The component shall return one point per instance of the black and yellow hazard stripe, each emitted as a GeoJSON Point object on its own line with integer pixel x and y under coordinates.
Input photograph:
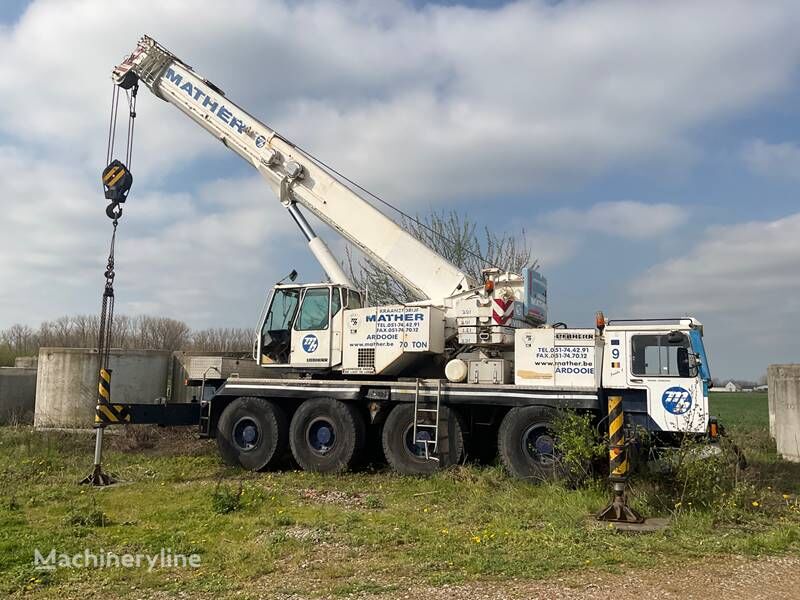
{"type": "Point", "coordinates": [104, 387]}
{"type": "Point", "coordinates": [105, 412]}
{"type": "Point", "coordinates": [113, 175]}
{"type": "Point", "coordinates": [618, 458]}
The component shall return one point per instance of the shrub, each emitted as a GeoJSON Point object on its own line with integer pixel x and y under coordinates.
{"type": "Point", "coordinates": [579, 444]}
{"type": "Point", "coordinates": [226, 499]}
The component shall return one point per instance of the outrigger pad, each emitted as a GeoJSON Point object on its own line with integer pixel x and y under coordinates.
{"type": "Point", "coordinates": [97, 478]}
{"type": "Point", "coordinates": [619, 512]}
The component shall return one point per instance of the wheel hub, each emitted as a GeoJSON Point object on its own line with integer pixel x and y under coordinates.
{"type": "Point", "coordinates": [321, 436]}
{"type": "Point", "coordinates": [246, 434]}
{"type": "Point", "coordinates": [539, 444]}
{"type": "Point", "coordinates": [417, 447]}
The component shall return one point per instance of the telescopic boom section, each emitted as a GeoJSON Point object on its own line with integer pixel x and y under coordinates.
{"type": "Point", "coordinates": [293, 175]}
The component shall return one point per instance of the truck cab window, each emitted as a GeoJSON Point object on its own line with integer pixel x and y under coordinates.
{"type": "Point", "coordinates": [275, 334]}
{"type": "Point", "coordinates": [336, 300]}
{"type": "Point", "coordinates": [659, 355]}
{"type": "Point", "coordinates": [282, 310]}
{"type": "Point", "coordinates": [353, 300]}
{"type": "Point", "coordinates": [314, 311]}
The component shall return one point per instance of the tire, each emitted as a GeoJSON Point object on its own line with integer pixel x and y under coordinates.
{"type": "Point", "coordinates": [398, 446]}
{"type": "Point", "coordinates": [527, 446]}
{"type": "Point", "coordinates": [252, 433]}
{"type": "Point", "coordinates": [326, 435]}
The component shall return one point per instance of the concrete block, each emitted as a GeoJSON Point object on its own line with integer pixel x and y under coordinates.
{"type": "Point", "coordinates": [17, 394]}
{"type": "Point", "coordinates": [784, 394]}
{"type": "Point", "coordinates": [66, 386]}
{"type": "Point", "coordinates": [26, 362]}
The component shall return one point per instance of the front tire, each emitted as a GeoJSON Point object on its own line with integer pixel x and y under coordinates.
{"type": "Point", "coordinates": [408, 458]}
{"type": "Point", "coordinates": [527, 444]}
{"type": "Point", "coordinates": [252, 433]}
{"type": "Point", "coordinates": [326, 435]}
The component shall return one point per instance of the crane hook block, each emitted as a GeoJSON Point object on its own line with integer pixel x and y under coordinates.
{"type": "Point", "coordinates": [117, 181]}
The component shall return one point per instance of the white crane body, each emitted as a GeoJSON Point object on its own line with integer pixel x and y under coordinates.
{"type": "Point", "coordinates": [476, 349]}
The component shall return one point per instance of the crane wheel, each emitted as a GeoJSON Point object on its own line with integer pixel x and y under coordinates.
{"type": "Point", "coordinates": [408, 458]}
{"type": "Point", "coordinates": [527, 445]}
{"type": "Point", "coordinates": [326, 435]}
{"type": "Point", "coordinates": [252, 433]}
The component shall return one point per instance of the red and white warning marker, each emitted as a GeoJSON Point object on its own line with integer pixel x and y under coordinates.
{"type": "Point", "coordinates": [502, 310]}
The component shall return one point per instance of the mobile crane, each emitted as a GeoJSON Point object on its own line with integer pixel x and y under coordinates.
{"type": "Point", "coordinates": [472, 358]}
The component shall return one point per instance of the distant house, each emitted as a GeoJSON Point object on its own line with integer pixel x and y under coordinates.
{"type": "Point", "coordinates": [762, 388]}
{"type": "Point", "coordinates": [728, 387]}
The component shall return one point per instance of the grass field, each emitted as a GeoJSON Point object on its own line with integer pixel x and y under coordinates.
{"type": "Point", "coordinates": [741, 410]}
{"type": "Point", "coordinates": [313, 535]}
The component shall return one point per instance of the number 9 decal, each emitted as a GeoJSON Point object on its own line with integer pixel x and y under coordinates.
{"type": "Point", "coordinates": [615, 353]}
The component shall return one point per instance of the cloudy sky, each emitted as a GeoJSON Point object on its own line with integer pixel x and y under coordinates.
{"type": "Point", "coordinates": [649, 150]}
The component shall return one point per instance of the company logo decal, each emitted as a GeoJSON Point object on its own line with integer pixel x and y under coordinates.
{"type": "Point", "coordinates": [310, 343]}
{"type": "Point", "coordinates": [677, 400]}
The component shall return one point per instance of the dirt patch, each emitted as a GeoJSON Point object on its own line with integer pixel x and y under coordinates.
{"type": "Point", "coordinates": [687, 579]}
{"type": "Point", "coordinates": [154, 440]}
{"type": "Point", "coordinates": [339, 498]}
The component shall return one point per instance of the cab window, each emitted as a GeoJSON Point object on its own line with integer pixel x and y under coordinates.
{"type": "Point", "coordinates": [660, 355]}
{"type": "Point", "coordinates": [336, 300]}
{"type": "Point", "coordinates": [353, 300]}
{"type": "Point", "coordinates": [282, 310]}
{"type": "Point", "coordinates": [314, 310]}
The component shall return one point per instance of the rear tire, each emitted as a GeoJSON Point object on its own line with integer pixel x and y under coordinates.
{"type": "Point", "coordinates": [326, 435]}
{"type": "Point", "coordinates": [527, 445]}
{"type": "Point", "coordinates": [252, 433]}
{"type": "Point", "coordinates": [408, 458]}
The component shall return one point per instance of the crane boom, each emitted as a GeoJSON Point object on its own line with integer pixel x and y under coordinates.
{"type": "Point", "coordinates": [294, 175]}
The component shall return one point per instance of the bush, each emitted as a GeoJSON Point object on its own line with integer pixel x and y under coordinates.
{"type": "Point", "coordinates": [226, 499]}
{"type": "Point", "coordinates": [89, 516]}
{"type": "Point", "coordinates": [578, 443]}
{"type": "Point", "coordinates": [698, 476]}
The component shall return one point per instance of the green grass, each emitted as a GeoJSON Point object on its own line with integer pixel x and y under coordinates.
{"type": "Point", "coordinates": [315, 535]}
{"type": "Point", "coordinates": [741, 410]}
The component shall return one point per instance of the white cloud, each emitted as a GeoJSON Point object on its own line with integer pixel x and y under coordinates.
{"type": "Point", "coordinates": [208, 266]}
{"type": "Point", "coordinates": [438, 104]}
{"type": "Point", "coordinates": [441, 102]}
{"type": "Point", "coordinates": [742, 281]}
{"type": "Point", "coordinates": [558, 236]}
{"type": "Point", "coordinates": [780, 160]}
{"type": "Point", "coordinates": [626, 219]}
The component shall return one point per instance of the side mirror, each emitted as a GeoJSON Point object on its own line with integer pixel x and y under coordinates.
{"type": "Point", "coordinates": [694, 364]}
{"type": "Point", "coordinates": [687, 363]}
{"type": "Point", "coordinates": [683, 362]}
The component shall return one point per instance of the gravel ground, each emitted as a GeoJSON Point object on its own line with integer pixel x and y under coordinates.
{"type": "Point", "coordinates": [723, 578]}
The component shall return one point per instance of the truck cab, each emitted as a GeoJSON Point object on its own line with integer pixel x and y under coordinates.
{"type": "Point", "coordinates": [302, 326]}
{"type": "Point", "coordinates": [660, 368]}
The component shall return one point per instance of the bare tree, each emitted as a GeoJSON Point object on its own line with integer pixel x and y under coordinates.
{"type": "Point", "coordinates": [456, 238]}
{"type": "Point", "coordinates": [222, 340]}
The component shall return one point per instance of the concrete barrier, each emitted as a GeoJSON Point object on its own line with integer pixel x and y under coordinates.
{"type": "Point", "coordinates": [26, 362]}
{"type": "Point", "coordinates": [17, 394]}
{"type": "Point", "coordinates": [784, 402]}
{"type": "Point", "coordinates": [66, 386]}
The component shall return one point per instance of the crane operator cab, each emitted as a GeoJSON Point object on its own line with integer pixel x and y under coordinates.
{"type": "Point", "coordinates": [303, 324]}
